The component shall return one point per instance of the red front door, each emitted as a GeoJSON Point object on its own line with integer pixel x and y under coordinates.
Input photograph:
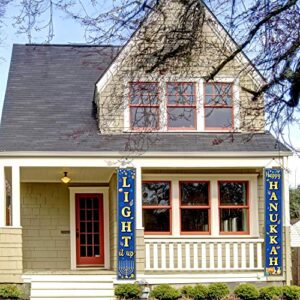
{"type": "Point", "coordinates": [89, 229]}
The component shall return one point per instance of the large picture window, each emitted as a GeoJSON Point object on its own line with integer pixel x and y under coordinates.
{"type": "Point", "coordinates": [234, 207]}
{"type": "Point", "coordinates": [144, 105]}
{"type": "Point", "coordinates": [195, 207]}
{"type": "Point", "coordinates": [181, 105]}
{"type": "Point", "coordinates": [218, 106]}
{"type": "Point", "coordinates": [156, 199]}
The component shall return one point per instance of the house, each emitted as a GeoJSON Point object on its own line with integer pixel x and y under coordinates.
{"type": "Point", "coordinates": [166, 175]}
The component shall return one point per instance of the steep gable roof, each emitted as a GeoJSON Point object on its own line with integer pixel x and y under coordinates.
{"type": "Point", "coordinates": [49, 107]}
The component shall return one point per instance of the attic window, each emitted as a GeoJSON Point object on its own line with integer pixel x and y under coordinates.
{"type": "Point", "coordinates": [181, 105]}
{"type": "Point", "coordinates": [144, 105]}
{"type": "Point", "coordinates": [218, 106]}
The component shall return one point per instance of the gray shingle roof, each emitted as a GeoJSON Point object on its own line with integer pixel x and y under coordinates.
{"type": "Point", "coordinates": [49, 107]}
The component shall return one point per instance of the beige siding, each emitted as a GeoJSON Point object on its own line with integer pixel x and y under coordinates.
{"type": "Point", "coordinates": [10, 255]}
{"type": "Point", "coordinates": [45, 214]}
{"type": "Point", "coordinates": [206, 53]}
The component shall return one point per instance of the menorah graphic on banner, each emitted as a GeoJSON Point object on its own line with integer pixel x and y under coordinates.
{"type": "Point", "coordinates": [126, 269]}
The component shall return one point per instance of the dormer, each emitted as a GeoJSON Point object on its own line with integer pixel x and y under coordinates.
{"type": "Point", "coordinates": [159, 81]}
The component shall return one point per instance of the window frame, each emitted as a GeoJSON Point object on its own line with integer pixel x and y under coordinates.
{"type": "Point", "coordinates": [235, 207]}
{"type": "Point", "coordinates": [159, 207]}
{"type": "Point", "coordinates": [157, 106]}
{"type": "Point", "coordinates": [217, 106]}
{"type": "Point", "coordinates": [194, 106]}
{"type": "Point", "coordinates": [208, 207]}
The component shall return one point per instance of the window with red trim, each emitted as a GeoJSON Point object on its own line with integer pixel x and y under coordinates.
{"type": "Point", "coordinates": [156, 198]}
{"type": "Point", "coordinates": [181, 105]}
{"type": "Point", "coordinates": [194, 207]}
{"type": "Point", "coordinates": [234, 207]}
{"type": "Point", "coordinates": [144, 105]}
{"type": "Point", "coordinates": [218, 105]}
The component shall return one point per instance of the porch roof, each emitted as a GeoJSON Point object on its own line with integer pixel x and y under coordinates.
{"type": "Point", "coordinates": [49, 107]}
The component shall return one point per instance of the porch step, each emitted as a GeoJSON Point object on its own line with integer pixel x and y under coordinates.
{"type": "Point", "coordinates": [67, 287]}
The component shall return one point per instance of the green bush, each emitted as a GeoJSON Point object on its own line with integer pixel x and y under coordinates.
{"type": "Point", "coordinates": [187, 291]}
{"type": "Point", "coordinates": [200, 292]}
{"type": "Point", "coordinates": [270, 292]}
{"type": "Point", "coordinates": [127, 291]}
{"type": "Point", "coordinates": [291, 292]}
{"type": "Point", "coordinates": [217, 291]}
{"type": "Point", "coordinates": [165, 292]}
{"type": "Point", "coordinates": [246, 291]}
{"type": "Point", "coordinates": [9, 291]}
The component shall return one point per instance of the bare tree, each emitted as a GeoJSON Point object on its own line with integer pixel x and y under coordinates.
{"type": "Point", "coordinates": [267, 31]}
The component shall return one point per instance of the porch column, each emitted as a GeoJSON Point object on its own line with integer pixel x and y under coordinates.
{"type": "Point", "coordinates": [2, 197]}
{"type": "Point", "coordinates": [139, 210]}
{"type": "Point", "coordinates": [16, 196]}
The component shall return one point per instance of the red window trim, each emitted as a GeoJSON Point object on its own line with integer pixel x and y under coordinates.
{"type": "Point", "coordinates": [144, 105]}
{"type": "Point", "coordinates": [219, 106]}
{"type": "Point", "coordinates": [194, 106]}
{"type": "Point", "coordinates": [234, 206]}
{"type": "Point", "coordinates": [195, 207]}
{"type": "Point", "coordinates": [160, 207]}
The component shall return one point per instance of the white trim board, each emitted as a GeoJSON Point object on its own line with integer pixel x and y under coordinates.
{"type": "Point", "coordinates": [89, 190]}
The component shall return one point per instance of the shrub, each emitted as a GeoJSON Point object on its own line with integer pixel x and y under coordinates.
{"type": "Point", "coordinates": [128, 291]}
{"type": "Point", "coordinates": [291, 292]}
{"type": "Point", "coordinates": [9, 291]}
{"type": "Point", "coordinates": [165, 292]}
{"type": "Point", "coordinates": [270, 292]}
{"type": "Point", "coordinates": [246, 291]}
{"type": "Point", "coordinates": [187, 291]}
{"type": "Point", "coordinates": [200, 292]}
{"type": "Point", "coordinates": [217, 291]}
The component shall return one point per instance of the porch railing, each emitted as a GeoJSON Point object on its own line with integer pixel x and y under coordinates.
{"type": "Point", "coordinates": [203, 254]}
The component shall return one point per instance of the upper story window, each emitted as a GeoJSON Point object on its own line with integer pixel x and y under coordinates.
{"type": "Point", "coordinates": [144, 105]}
{"type": "Point", "coordinates": [218, 106]}
{"type": "Point", "coordinates": [181, 105]}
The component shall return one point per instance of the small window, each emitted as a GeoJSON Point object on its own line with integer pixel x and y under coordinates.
{"type": "Point", "coordinates": [144, 105]}
{"type": "Point", "coordinates": [181, 105]}
{"type": "Point", "coordinates": [156, 197]}
{"type": "Point", "coordinates": [218, 106]}
{"type": "Point", "coordinates": [194, 207]}
{"type": "Point", "coordinates": [234, 207]}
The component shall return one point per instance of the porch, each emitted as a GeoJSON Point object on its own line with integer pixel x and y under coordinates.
{"type": "Point", "coordinates": [41, 218]}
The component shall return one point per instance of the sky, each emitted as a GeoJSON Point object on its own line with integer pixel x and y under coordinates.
{"type": "Point", "coordinates": [68, 32]}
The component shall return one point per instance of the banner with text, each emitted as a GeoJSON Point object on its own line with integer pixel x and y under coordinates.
{"type": "Point", "coordinates": [273, 222]}
{"type": "Point", "coordinates": [126, 224]}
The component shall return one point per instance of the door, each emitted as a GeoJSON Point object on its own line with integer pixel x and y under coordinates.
{"type": "Point", "coordinates": [89, 230]}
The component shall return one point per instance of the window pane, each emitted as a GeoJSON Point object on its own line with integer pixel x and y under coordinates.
{"type": "Point", "coordinates": [218, 93]}
{"type": "Point", "coordinates": [156, 193]}
{"type": "Point", "coordinates": [234, 219]}
{"type": "Point", "coordinates": [218, 117]}
{"type": "Point", "coordinates": [194, 220]}
{"type": "Point", "coordinates": [144, 117]}
{"type": "Point", "coordinates": [233, 193]}
{"type": "Point", "coordinates": [183, 117]}
{"type": "Point", "coordinates": [181, 93]}
{"type": "Point", "coordinates": [195, 193]}
{"type": "Point", "coordinates": [156, 219]}
{"type": "Point", "coordinates": [144, 93]}
{"type": "Point", "coordinates": [209, 89]}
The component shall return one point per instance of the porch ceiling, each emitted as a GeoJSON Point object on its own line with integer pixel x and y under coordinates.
{"type": "Point", "coordinates": [53, 174]}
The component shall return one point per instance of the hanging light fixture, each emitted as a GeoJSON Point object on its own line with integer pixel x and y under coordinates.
{"type": "Point", "coordinates": [65, 178]}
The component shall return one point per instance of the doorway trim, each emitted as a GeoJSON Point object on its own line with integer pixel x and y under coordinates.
{"type": "Point", "coordinates": [89, 190]}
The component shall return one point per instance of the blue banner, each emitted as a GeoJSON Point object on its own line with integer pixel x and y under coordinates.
{"type": "Point", "coordinates": [126, 224]}
{"type": "Point", "coordinates": [273, 222]}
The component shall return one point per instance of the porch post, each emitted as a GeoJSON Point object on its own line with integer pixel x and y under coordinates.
{"type": "Point", "coordinates": [2, 197]}
{"type": "Point", "coordinates": [139, 210]}
{"type": "Point", "coordinates": [16, 196]}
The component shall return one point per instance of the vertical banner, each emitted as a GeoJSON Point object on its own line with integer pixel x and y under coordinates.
{"type": "Point", "coordinates": [126, 224]}
{"type": "Point", "coordinates": [273, 222]}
